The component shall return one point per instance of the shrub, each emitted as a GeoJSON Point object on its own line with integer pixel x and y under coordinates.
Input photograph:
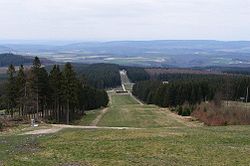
{"type": "Point", "coordinates": [186, 111]}
{"type": "Point", "coordinates": [212, 114]}
{"type": "Point", "coordinates": [179, 110]}
{"type": "Point", "coordinates": [173, 109]}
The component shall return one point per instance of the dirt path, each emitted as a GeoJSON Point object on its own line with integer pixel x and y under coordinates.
{"type": "Point", "coordinates": [99, 117]}
{"type": "Point", "coordinates": [110, 99]}
{"type": "Point", "coordinates": [43, 131]}
{"type": "Point", "coordinates": [186, 121]}
{"type": "Point", "coordinates": [57, 127]}
{"type": "Point", "coordinates": [137, 100]}
{"type": "Point", "coordinates": [103, 111]}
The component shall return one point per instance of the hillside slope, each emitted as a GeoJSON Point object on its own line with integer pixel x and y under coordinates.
{"type": "Point", "coordinates": [8, 58]}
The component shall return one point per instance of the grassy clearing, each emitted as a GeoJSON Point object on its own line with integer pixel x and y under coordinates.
{"type": "Point", "coordinates": [88, 118]}
{"type": "Point", "coordinates": [165, 146]}
{"type": "Point", "coordinates": [122, 100]}
{"type": "Point", "coordinates": [164, 140]}
{"type": "Point", "coordinates": [126, 112]}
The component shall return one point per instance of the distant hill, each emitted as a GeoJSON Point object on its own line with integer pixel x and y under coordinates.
{"type": "Point", "coordinates": [128, 47]}
{"type": "Point", "coordinates": [160, 53]}
{"type": "Point", "coordinates": [4, 49]}
{"type": "Point", "coordinates": [8, 58]}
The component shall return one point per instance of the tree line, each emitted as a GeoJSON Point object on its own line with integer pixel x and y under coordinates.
{"type": "Point", "coordinates": [136, 74]}
{"type": "Point", "coordinates": [9, 58]}
{"type": "Point", "coordinates": [183, 76]}
{"type": "Point", "coordinates": [192, 89]}
{"type": "Point", "coordinates": [100, 76]}
{"type": "Point", "coordinates": [59, 95]}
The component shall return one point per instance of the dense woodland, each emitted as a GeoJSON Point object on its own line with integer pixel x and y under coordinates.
{"type": "Point", "coordinates": [8, 58]}
{"type": "Point", "coordinates": [181, 76]}
{"type": "Point", "coordinates": [46, 92]}
{"type": "Point", "coordinates": [192, 89]}
{"type": "Point", "coordinates": [136, 74]}
{"type": "Point", "coordinates": [59, 95]}
{"type": "Point", "coordinates": [100, 76]}
{"type": "Point", "coordinates": [244, 70]}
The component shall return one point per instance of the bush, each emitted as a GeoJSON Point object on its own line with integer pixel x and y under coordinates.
{"type": "Point", "coordinates": [179, 110]}
{"type": "Point", "coordinates": [184, 110]}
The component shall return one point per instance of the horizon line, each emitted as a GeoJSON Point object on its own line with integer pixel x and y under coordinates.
{"type": "Point", "coordinates": [6, 41]}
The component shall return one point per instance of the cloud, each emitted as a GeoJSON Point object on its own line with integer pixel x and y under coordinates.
{"type": "Point", "coordinates": [125, 19]}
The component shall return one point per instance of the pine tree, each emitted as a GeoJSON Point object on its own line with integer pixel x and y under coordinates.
{"type": "Point", "coordinates": [21, 89]}
{"type": "Point", "coordinates": [35, 83]}
{"type": "Point", "coordinates": [69, 88]}
{"type": "Point", "coordinates": [55, 80]}
{"type": "Point", "coordinates": [44, 91]}
{"type": "Point", "coordinates": [36, 63]}
{"type": "Point", "coordinates": [38, 81]}
{"type": "Point", "coordinates": [30, 95]}
{"type": "Point", "coordinates": [11, 89]}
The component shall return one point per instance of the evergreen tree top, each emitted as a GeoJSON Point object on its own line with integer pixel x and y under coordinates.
{"type": "Point", "coordinates": [11, 70]}
{"type": "Point", "coordinates": [36, 63]}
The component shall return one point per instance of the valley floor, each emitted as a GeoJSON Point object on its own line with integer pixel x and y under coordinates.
{"type": "Point", "coordinates": [151, 136]}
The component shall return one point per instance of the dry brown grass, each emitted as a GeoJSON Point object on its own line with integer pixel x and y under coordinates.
{"type": "Point", "coordinates": [212, 114]}
{"type": "Point", "coordinates": [8, 123]}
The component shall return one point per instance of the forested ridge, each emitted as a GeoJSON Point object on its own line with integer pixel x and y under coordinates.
{"type": "Point", "coordinates": [9, 58]}
{"type": "Point", "coordinates": [100, 76]}
{"type": "Point", "coordinates": [59, 95]}
{"type": "Point", "coordinates": [192, 89]}
{"type": "Point", "coordinates": [136, 74]}
{"type": "Point", "coordinates": [181, 76]}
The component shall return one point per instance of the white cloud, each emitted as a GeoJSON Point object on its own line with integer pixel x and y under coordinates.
{"type": "Point", "coordinates": [125, 19]}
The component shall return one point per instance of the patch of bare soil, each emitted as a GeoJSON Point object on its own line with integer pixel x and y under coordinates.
{"type": "Point", "coordinates": [57, 127]}
{"type": "Point", "coordinates": [44, 131]}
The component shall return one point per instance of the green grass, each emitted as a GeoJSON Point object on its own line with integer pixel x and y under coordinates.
{"type": "Point", "coordinates": [165, 146]}
{"type": "Point", "coordinates": [129, 87]}
{"type": "Point", "coordinates": [122, 100]}
{"type": "Point", "coordinates": [126, 112]}
{"type": "Point", "coordinates": [88, 118]}
{"type": "Point", "coordinates": [162, 141]}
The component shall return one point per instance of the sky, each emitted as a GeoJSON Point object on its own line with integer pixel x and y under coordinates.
{"type": "Point", "coordinates": [98, 20]}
